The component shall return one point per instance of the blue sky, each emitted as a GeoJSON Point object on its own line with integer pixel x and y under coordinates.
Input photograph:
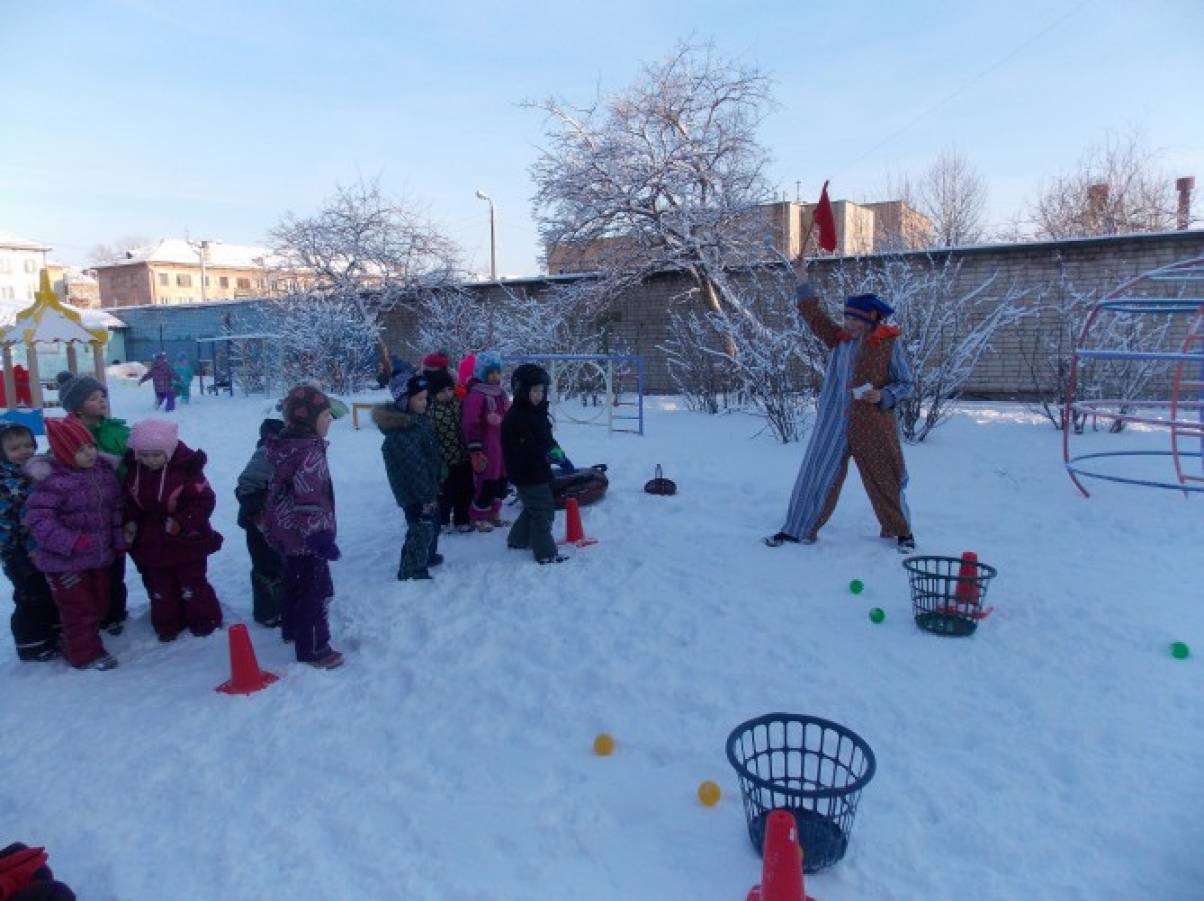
{"type": "Point", "coordinates": [212, 119]}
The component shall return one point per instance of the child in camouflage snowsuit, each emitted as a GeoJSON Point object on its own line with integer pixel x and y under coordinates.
{"type": "Point", "coordinates": [455, 492]}
{"type": "Point", "coordinates": [414, 467]}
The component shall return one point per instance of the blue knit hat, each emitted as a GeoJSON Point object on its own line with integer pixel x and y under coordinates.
{"type": "Point", "coordinates": [487, 361]}
{"type": "Point", "coordinates": [869, 303]}
{"type": "Point", "coordinates": [403, 386]}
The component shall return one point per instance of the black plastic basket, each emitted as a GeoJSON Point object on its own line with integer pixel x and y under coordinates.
{"type": "Point", "coordinates": [948, 594]}
{"type": "Point", "coordinates": [812, 767]}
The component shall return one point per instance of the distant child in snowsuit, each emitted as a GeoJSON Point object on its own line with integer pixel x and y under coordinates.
{"type": "Point", "coordinates": [87, 399]}
{"type": "Point", "coordinates": [168, 504]}
{"type": "Point", "coordinates": [530, 450]}
{"type": "Point", "coordinates": [267, 568]}
{"type": "Point", "coordinates": [161, 377]}
{"type": "Point", "coordinates": [299, 523]}
{"type": "Point", "coordinates": [414, 465]}
{"type": "Point", "coordinates": [444, 410]}
{"type": "Point", "coordinates": [74, 516]}
{"type": "Point", "coordinates": [35, 619]}
{"type": "Point", "coordinates": [483, 409]}
{"type": "Point", "coordinates": [181, 382]}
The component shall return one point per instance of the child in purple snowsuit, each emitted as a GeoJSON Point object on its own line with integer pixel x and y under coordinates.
{"type": "Point", "coordinates": [483, 408]}
{"type": "Point", "coordinates": [161, 377]}
{"type": "Point", "coordinates": [74, 516]}
{"type": "Point", "coordinates": [299, 523]}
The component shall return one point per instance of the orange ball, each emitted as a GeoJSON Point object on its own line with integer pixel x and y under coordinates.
{"type": "Point", "coordinates": [604, 745]}
{"type": "Point", "coordinates": [708, 793]}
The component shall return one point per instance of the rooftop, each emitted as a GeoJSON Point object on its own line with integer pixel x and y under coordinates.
{"type": "Point", "coordinates": [16, 242]}
{"type": "Point", "coordinates": [179, 250]}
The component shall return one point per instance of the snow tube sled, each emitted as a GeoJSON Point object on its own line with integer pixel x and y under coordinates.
{"type": "Point", "coordinates": [586, 485]}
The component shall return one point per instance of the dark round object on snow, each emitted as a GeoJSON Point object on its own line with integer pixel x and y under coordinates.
{"type": "Point", "coordinates": [813, 768]}
{"type": "Point", "coordinates": [659, 484]}
{"type": "Point", "coordinates": [948, 593]}
{"type": "Point", "coordinates": [586, 485]}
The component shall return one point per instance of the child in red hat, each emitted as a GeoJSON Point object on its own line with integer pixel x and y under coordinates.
{"type": "Point", "coordinates": [74, 515]}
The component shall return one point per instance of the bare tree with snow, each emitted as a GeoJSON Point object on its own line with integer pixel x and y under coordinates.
{"type": "Point", "coordinates": [362, 252]}
{"type": "Point", "coordinates": [665, 175]}
{"type": "Point", "coordinates": [1116, 188]}
{"type": "Point", "coordinates": [1064, 308]}
{"type": "Point", "coordinates": [952, 194]}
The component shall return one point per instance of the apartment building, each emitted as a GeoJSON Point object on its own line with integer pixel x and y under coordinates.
{"type": "Point", "coordinates": [176, 271]}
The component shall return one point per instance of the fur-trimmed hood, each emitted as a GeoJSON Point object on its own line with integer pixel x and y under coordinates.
{"type": "Point", "coordinates": [390, 419]}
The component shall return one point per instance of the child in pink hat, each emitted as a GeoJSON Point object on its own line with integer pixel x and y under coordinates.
{"type": "Point", "coordinates": [168, 504]}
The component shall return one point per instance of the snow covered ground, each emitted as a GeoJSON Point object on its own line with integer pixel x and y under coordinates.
{"type": "Point", "coordinates": [1058, 753]}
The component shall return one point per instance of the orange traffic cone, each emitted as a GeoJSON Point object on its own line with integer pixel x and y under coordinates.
{"type": "Point", "coordinates": [245, 675]}
{"type": "Point", "coordinates": [967, 592]}
{"type": "Point", "coordinates": [781, 861]}
{"type": "Point", "coordinates": [574, 533]}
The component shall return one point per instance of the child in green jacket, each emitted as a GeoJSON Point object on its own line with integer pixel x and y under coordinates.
{"type": "Point", "coordinates": [413, 463]}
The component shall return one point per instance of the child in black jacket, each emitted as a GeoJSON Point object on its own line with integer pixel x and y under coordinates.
{"type": "Point", "coordinates": [529, 450]}
{"type": "Point", "coordinates": [267, 568]}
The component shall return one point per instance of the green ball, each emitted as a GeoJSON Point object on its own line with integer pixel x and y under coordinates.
{"type": "Point", "coordinates": [856, 586]}
{"type": "Point", "coordinates": [1180, 651]}
{"type": "Point", "coordinates": [877, 615]}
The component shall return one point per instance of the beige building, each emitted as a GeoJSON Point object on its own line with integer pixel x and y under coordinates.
{"type": "Point", "coordinates": [175, 271]}
{"type": "Point", "coordinates": [20, 262]}
{"type": "Point", "coordinates": [861, 228]}
{"type": "Point", "coordinates": [77, 287]}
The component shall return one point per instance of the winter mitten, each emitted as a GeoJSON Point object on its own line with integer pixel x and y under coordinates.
{"type": "Point", "coordinates": [479, 462]}
{"type": "Point", "coordinates": [82, 543]}
{"type": "Point", "coordinates": [171, 526]}
{"type": "Point", "coordinates": [322, 544]}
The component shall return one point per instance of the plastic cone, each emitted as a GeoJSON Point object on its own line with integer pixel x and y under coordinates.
{"type": "Point", "coordinates": [967, 591]}
{"type": "Point", "coordinates": [574, 532]}
{"type": "Point", "coordinates": [781, 862]}
{"type": "Point", "coordinates": [245, 675]}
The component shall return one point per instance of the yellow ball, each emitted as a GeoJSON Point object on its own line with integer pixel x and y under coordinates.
{"type": "Point", "coordinates": [708, 793]}
{"type": "Point", "coordinates": [604, 745]}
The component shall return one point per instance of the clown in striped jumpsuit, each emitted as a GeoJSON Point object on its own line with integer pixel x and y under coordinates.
{"type": "Point", "coordinates": [845, 427]}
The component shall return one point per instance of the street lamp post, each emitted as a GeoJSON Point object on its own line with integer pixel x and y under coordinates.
{"type": "Point", "coordinates": [492, 237]}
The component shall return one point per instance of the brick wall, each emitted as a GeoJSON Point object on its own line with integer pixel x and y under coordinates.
{"type": "Point", "coordinates": [642, 316]}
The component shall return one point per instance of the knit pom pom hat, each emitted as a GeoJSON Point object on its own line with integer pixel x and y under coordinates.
{"type": "Point", "coordinates": [487, 361]}
{"type": "Point", "coordinates": [155, 435]}
{"type": "Point", "coordinates": [303, 406]}
{"type": "Point", "coordinates": [67, 435]}
{"type": "Point", "coordinates": [437, 360]}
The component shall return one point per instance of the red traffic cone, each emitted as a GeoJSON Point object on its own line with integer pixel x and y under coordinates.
{"type": "Point", "coordinates": [781, 862]}
{"type": "Point", "coordinates": [967, 591]}
{"type": "Point", "coordinates": [245, 675]}
{"type": "Point", "coordinates": [574, 532]}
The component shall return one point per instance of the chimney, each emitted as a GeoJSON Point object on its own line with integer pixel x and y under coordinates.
{"type": "Point", "coordinates": [1184, 186]}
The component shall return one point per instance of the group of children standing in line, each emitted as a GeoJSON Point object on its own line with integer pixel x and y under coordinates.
{"type": "Point", "coordinates": [68, 518]}
{"type": "Point", "coordinates": [450, 459]}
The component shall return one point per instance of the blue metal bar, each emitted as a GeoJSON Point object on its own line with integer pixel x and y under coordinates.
{"type": "Point", "coordinates": [1168, 307]}
{"type": "Point", "coordinates": [1145, 483]}
{"type": "Point", "coordinates": [1138, 355]}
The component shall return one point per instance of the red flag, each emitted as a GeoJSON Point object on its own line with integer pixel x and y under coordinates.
{"type": "Point", "coordinates": [826, 222]}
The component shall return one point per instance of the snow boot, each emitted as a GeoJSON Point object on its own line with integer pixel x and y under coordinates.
{"type": "Point", "coordinates": [780, 538]}
{"type": "Point", "coordinates": [332, 659]}
{"type": "Point", "coordinates": [559, 558]}
{"type": "Point", "coordinates": [907, 544]}
{"type": "Point", "coordinates": [484, 526]}
{"type": "Point", "coordinates": [103, 662]}
{"type": "Point", "coordinates": [436, 559]}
